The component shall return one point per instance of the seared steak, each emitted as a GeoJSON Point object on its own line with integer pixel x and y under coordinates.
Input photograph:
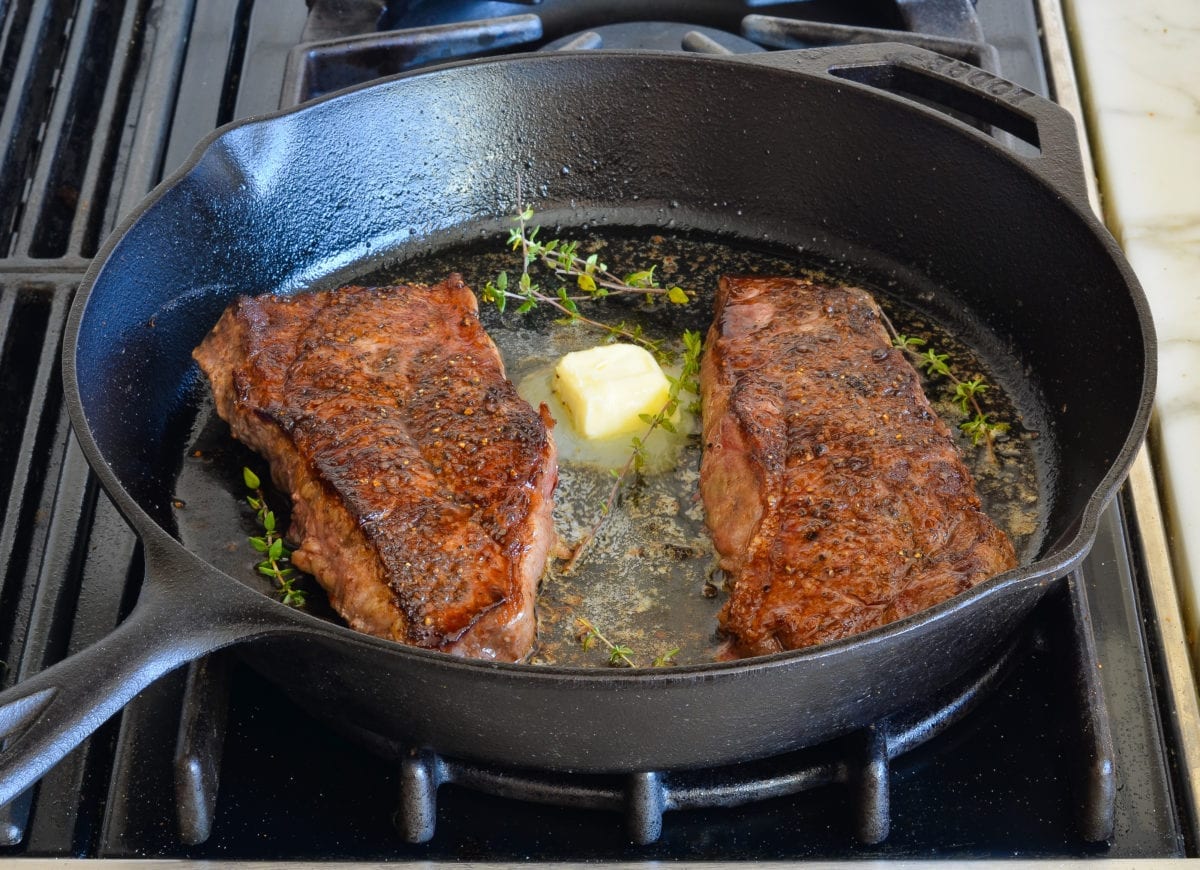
{"type": "Point", "coordinates": [421, 483]}
{"type": "Point", "coordinates": [836, 496]}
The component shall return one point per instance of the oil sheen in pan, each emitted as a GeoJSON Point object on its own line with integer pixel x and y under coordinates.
{"type": "Point", "coordinates": [649, 580]}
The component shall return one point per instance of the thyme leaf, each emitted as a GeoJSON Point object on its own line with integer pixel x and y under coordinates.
{"type": "Point", "coordinates": [666, 659]}
{"type": "Point", "coordinates": [619, 655]}
{"type": "Point", "coordinates": [979, 427]}
{"type": "Point", "coordinates": [277, 561]}
{"type": "Point", "coordinates": [591, 278]}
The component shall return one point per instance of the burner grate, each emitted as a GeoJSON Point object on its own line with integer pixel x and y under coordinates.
{"type": "Point", "coordinates": [345, 55]}
{"type": "Point", "coordinates": [784, 33]}
{"type": "Point", "coordinates": [318, 68]}
{"type": "Point", "coordinates": [100, 97]}
{"type": "Point", "coordinates": [1029, 775]}
{"type": "Point", "coordinates": [861, 761]}
{"type": "Point", "coordinates": [61, 132]}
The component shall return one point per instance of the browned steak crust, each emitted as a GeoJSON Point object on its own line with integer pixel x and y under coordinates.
{"type": "Point", "coordinates": [836, 497]}
{"type": "Point", "coordinates": [421, 482]}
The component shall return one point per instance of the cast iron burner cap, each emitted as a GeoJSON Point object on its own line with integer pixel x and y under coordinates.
{"type": "Point", "coordinates": [659, 35]}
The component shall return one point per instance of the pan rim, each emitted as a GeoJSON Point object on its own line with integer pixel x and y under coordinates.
{"type": "Point", "coordinates": [1061, 559]}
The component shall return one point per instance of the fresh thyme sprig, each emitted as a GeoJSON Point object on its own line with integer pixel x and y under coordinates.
{"type": "Point", "coordinates": [276, 563]}
{"type": "Point", "coordinates": [593, 280]}
{"type": "Point", "coordinates": [591, 276]}
{"type": "Point", "coordinates": [686, 382]}
{"type": "Point", "coordinates": [619, 655]}
{"type": "Point", "coordinates": [979, 426]}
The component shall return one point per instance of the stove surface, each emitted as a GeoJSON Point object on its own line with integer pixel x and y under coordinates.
{"type": "Point", "coordinates": [105, 97]}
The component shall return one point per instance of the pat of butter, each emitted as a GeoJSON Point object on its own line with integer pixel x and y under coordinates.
{"type": "Point", "coordinates": [606, 389]}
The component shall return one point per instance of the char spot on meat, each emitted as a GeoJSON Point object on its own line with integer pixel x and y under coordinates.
{"type": "Point", "coordinates": [856, 463]}
{"type": "Point", "coordinates": [859, 384]}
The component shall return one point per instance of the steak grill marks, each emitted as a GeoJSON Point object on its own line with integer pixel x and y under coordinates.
{"type": "Point", "coordinates": [421, 482]}
{"type": "Point", "coordinates": [837, 498]}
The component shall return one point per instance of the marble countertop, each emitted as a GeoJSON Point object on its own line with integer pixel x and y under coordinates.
{"type": "Point", "coordinates": [1139, 71]}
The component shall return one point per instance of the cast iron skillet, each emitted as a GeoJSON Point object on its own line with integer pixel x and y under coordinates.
{"type": "Point", "coordinates": [799, 149]}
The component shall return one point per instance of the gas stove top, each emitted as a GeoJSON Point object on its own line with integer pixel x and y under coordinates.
{"type": "Point", "coordinates": [1070, 745]}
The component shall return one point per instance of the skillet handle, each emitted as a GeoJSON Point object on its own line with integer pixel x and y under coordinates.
{"type": "Point", "coordinates": [956, 86]}
{"type": "Point", "coordinates": [46, 716]}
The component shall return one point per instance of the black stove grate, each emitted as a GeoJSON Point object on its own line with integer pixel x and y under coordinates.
{"type": "Point", "coordinates": [861, 761]}
{"type": "Point", "coordinates": [348, 44]}
{"type": "Point", "coordinates": [100, 99]}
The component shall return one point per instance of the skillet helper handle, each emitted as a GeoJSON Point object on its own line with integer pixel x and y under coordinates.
{"type": "Point", "coordinates": [45, 717]}
{"type": "Point", "coordinates": [943, 85]}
